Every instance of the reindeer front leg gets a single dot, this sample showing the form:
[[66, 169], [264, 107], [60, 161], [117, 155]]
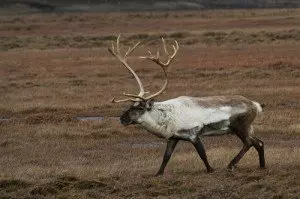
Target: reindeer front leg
[[201, 151], [171, 144]]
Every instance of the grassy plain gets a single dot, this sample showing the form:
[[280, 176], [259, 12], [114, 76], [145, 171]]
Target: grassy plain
[[54, 67]]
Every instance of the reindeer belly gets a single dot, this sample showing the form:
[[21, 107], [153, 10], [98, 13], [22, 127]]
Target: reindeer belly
[[212, 129], [207, 122], [217, 128]]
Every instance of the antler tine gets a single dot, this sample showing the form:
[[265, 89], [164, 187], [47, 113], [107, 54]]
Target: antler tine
[[112, 46], [165, 48], [175, 48], [113, 100], [131, 49], [133, 95], [118, 44], [123, 59]]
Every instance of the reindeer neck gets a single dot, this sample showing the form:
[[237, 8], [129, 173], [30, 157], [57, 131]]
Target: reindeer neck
[[157, 119]]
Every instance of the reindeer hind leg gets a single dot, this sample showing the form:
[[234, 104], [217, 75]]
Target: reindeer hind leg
[[238, 157], [243, 134], [259, 146]]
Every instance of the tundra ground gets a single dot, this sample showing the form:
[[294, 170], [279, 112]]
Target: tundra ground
[[55, 67]]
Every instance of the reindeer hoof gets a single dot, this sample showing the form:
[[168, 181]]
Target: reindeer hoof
[[231, 167], [210, 170], [159, 174]]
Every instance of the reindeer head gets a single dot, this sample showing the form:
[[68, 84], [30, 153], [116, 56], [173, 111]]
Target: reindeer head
[[135, 111], [141, 103]]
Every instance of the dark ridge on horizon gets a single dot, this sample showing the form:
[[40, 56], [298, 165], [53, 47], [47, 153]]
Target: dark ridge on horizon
[[135, 5]]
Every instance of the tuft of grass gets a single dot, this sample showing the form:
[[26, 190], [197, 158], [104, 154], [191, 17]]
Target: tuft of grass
[[89, 184], [139, 36], [50, 188], [179, 35], [13, 185]]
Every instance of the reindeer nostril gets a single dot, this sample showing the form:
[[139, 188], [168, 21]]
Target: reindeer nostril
[[125, 121]]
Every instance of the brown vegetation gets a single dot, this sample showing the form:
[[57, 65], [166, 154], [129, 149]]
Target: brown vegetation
[[210, 38], [50, 75]]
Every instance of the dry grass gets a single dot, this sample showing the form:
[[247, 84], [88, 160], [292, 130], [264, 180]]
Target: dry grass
[[46, 153], [185, 38]]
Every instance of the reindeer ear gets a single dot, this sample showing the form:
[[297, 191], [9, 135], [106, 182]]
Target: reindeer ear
[[149, 104]]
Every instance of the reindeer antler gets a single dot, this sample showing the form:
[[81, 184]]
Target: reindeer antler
[[123, 59], [164, 66]]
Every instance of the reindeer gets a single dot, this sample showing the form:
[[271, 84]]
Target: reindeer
[[189, 118]]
